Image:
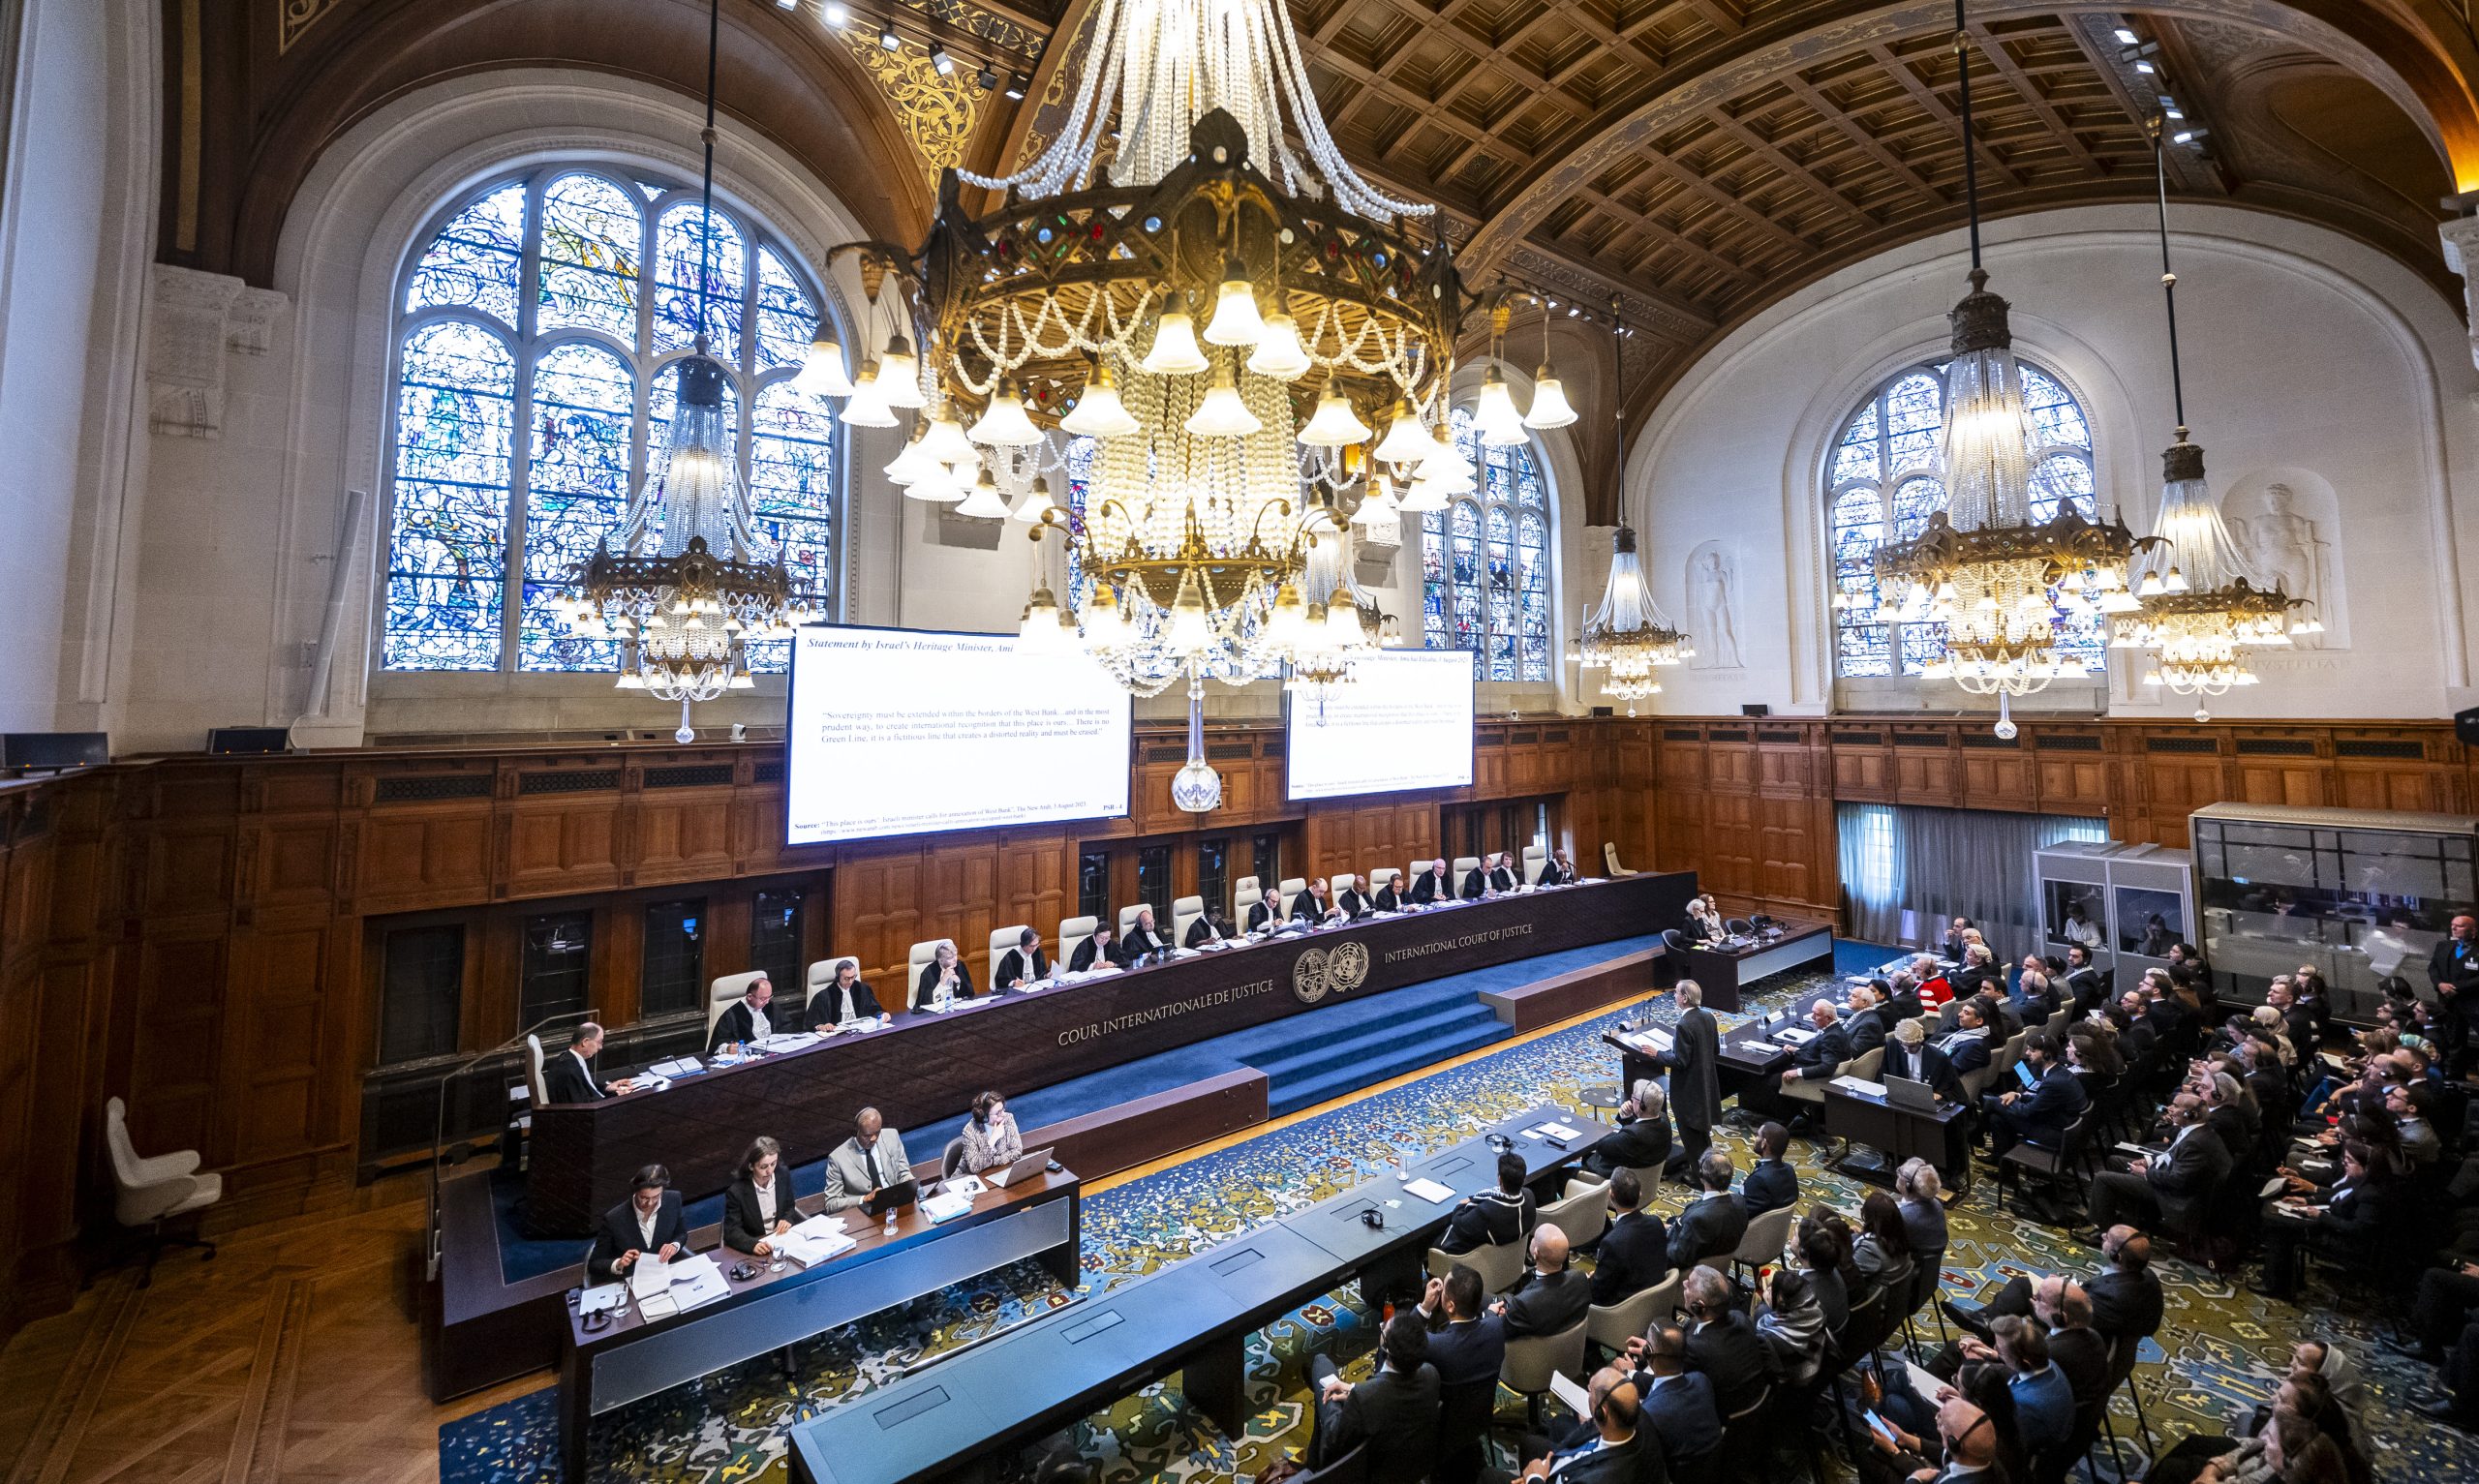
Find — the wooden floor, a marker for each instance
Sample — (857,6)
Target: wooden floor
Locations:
(295,1355)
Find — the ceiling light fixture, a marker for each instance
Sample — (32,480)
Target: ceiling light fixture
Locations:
(1627,637)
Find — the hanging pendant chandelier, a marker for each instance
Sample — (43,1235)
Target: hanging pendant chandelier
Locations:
(2202,607)
(693,583)
(1994,576)
(1338,624)
(1627,639)
(1193,275)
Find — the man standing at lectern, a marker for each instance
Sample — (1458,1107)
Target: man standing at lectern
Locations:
(1694,1063)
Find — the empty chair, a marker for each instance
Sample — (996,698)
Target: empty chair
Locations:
(1766,1236)
(954,1159)
(1583,1213)
(1244,897)
(1184,912)
(535,1084)
(1866,1064)
(1072,933)
(150,1190)
(1247,884)
(1500,1265)
(724,992)
(1291,888)
(1535,859)
(1739,926)
(1612,1326)
(1533,1359)
(1609,858)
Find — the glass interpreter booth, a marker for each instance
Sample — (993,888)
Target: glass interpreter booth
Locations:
(2126,903)
(2360,895)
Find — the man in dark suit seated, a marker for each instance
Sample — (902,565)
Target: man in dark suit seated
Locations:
(2041,1113)
(1902,995)
(1468,1347)
(1772,1183)
(1634,1253)
(569,1078)
(1395,1412)
(1097,949)
(1870,1020)
(649,1224)
(2128,1303)
(1212,925)
(1967,1045)
(1433,884)
(1980,971)
(1723,1345)
(846,998)
(1499,1216)
(1955,942)
(1390,896)
(1552,1297)
(1812,1061)
(1677,1404)
(1714,1223)
(1909,1056)
(746,1020)
(1261,913)
(2082,979)
(1557,872)
(1315,906)
(2170,1191)
(1020,965)
(1642,1137)
(1607,1447)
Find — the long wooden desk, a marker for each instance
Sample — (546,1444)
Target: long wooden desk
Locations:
(1723,972)
(635,1357)
(1191,1316)
(929,1067)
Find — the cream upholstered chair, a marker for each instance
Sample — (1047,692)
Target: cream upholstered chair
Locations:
(1500,1265)
(1002,942)
(1291,888)
(1184,912)
(1072,933)
(1464,865)
(1244,897)
(1378,878)
(1609,858)
(721,995)
(1535,859)
(150,1190)
(1127,919)
(1338,884)
(1583,1213)
(1247,884)
(536,1085)
(1612,1327)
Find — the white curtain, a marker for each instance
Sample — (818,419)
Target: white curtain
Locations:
(1936,865)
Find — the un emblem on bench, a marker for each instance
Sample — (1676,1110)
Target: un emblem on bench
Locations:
(1338,970)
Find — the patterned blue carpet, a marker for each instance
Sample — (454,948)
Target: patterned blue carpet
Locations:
(2221,1351)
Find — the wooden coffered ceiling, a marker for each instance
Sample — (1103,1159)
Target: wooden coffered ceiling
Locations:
(1697,159)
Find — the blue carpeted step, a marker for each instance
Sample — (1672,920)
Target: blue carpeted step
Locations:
(1373,1066)
(1402,1034)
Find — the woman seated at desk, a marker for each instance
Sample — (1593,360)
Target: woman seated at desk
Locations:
(942,978)
(757,1206)
(1096,950)
(990,1137)
(1704,920)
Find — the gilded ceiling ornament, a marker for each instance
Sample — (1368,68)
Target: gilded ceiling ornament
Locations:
(936,114)
(299,16)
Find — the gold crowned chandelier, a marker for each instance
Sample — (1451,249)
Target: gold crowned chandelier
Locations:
(1192,276)
(693,582)
(2202,608)
(1996,577)
(1627,637)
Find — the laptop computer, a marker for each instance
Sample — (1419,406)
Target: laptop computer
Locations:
(903,1193)
(1910,1093)
(1032,1164)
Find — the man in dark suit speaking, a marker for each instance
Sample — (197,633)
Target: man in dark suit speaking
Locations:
(1694,1063)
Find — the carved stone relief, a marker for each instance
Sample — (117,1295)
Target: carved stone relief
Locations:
(1712,618)
(197,319)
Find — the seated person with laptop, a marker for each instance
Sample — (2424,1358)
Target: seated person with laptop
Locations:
(870,1168)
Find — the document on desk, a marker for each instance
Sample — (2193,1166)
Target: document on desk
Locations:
(788,1041)
(680,1067)
(945,1206)
(1565,1130)
(1860,1084)
(1795,1035)
(815,1240)
(1648,1040)
(1430,1191)
(648,1276)
(697,1279)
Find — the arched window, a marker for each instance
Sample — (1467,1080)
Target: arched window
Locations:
(1485,564)
(556,305)
(1886,478)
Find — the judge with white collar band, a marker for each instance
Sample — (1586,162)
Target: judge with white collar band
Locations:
(748,1020)
(1020,965)
(943,976)
(843,998)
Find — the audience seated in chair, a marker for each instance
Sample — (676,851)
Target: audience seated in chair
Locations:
(1634,1253)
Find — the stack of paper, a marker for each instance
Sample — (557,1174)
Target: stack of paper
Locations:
(945,1206)
(697,1279)
(1430,1191)
(680,1067)
(788,1041)
(1860,1084)
(815,1240)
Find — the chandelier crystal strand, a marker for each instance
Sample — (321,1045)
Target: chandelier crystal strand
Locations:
(2202,605)
(693,584)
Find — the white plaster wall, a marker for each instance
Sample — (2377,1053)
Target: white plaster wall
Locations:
(2305,352)
(50,226)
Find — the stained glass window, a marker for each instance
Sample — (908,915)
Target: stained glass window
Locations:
(487,526)
(1884,479)
(1485,564)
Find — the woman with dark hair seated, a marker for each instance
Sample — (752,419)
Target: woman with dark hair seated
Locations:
(1883,1252)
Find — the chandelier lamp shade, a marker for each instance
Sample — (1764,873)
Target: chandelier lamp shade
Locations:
(693,583)
(1628,639)
(1993,575)
(2202,608)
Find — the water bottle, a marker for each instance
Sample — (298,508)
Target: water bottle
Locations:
(890,1229)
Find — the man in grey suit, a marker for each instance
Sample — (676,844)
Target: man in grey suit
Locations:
(871,1161)
(1694,1063)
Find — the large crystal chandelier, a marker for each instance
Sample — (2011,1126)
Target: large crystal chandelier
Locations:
(1627,638)
(2202,607)
(1193,275)
(1339,628)
(1996,577)
(693,583)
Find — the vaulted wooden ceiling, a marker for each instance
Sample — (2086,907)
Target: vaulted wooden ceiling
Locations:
(1697,159)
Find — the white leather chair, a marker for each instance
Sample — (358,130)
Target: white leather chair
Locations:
(1250,885)
(922,954)
(1242,900)
(1184,912)
(1583,1213)
(1535,859)
(1127,919)
(820,979)
(1002,942)
(1339,883)
(1378,878)
(537,1086)
(1609,858)
(150,1190)
(1291,888)
(1072,933)
(721,995)
(1464,865)
(1421,868)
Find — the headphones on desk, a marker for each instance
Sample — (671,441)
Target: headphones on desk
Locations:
(1498,1142)
(597,1322)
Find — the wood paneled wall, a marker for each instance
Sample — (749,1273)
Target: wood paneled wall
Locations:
(192,933)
